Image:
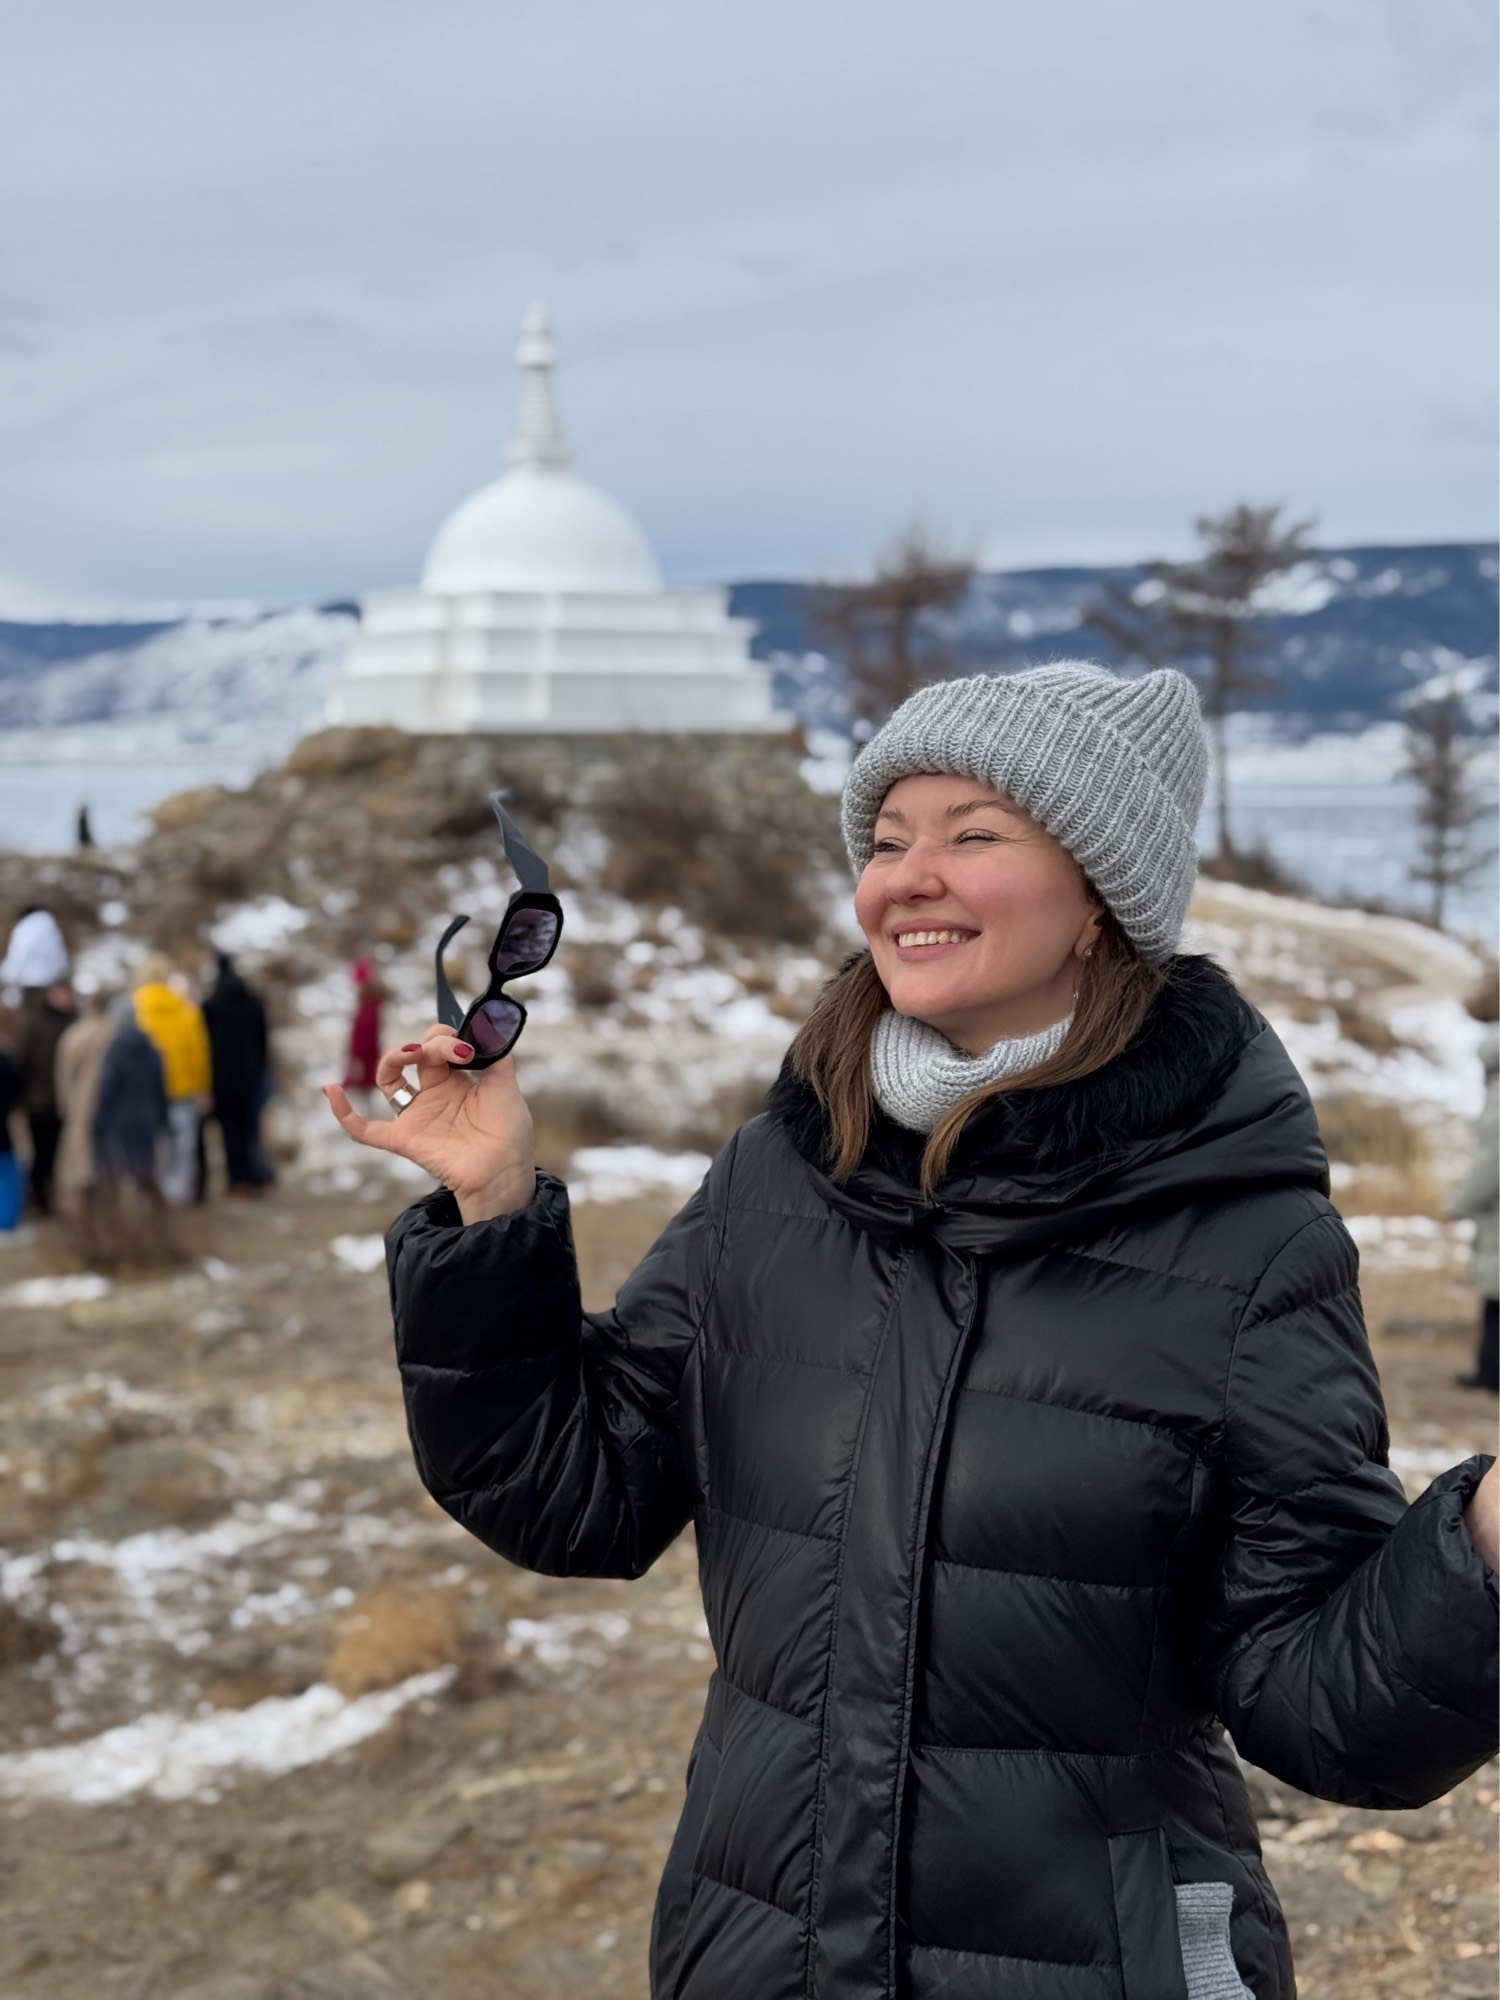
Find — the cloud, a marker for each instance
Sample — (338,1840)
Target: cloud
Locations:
(1060,276)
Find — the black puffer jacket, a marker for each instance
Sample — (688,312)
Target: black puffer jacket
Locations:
(1004,1503)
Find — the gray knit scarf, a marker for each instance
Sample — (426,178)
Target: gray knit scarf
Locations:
(919,1075)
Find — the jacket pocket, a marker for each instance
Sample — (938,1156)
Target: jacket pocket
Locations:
(1151,1966)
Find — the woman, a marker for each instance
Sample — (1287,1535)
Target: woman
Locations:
(1011,1369)
(363,1057)
(80,1062)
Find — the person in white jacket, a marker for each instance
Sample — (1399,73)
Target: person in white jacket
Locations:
(36,956)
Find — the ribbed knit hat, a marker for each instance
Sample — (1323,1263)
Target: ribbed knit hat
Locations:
(1114,768)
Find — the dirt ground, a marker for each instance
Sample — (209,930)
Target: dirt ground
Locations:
(235,1429)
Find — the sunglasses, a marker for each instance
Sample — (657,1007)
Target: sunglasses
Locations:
(525,941)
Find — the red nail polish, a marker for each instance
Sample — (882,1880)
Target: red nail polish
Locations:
(462,1051)
(411,1048)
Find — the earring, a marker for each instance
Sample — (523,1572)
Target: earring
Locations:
(1087,954)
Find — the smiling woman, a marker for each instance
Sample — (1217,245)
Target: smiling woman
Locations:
(978,918)
(1046,977)
(993,964)
(1011,1369)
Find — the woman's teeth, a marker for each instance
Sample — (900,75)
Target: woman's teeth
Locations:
(904,938)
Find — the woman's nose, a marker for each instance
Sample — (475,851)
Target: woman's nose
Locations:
(916,875)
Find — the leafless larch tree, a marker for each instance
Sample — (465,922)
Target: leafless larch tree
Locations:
(875,627)
(1204,615)
(1455,809)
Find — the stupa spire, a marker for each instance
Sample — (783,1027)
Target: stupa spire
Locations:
(539,440)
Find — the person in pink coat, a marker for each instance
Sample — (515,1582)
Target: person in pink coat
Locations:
(364,1030)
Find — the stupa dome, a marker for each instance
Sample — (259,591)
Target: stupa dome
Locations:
(540,528)
(541,611)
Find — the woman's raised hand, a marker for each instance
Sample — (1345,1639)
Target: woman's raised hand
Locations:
(470,1129)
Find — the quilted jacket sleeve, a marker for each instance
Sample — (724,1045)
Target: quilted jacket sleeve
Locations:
(549,1432)
(1354,1636)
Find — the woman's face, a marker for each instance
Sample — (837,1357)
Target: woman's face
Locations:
(976,916)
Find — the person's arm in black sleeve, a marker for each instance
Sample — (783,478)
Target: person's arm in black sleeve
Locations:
(548,1432)
(1353,1637)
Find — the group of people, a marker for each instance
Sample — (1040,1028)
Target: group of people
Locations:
(115,1090)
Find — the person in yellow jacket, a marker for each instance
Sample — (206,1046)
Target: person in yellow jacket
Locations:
(173,1023)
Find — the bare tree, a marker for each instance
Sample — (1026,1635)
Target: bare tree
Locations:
(1203,615)
(875,627)
(1444,760)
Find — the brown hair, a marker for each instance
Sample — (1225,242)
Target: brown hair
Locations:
(1116,987)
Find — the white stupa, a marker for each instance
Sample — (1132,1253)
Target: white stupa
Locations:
(541,608)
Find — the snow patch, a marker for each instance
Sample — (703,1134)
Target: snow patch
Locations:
(75,1289)
(188,1757)
(359,1253)
(618,1173)
(1297,592)
(567,1647)
(261,926)
(1408,1242)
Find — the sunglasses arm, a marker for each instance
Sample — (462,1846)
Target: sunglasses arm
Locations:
(449,1011)
(531,870)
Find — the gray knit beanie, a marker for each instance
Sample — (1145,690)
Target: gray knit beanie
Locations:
(1114,768)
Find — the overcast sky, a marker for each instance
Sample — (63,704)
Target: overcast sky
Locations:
(1058,274)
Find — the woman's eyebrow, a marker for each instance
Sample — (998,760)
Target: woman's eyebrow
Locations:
(967,806)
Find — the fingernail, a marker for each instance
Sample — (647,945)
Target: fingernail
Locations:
(411,1048)
(462,1051)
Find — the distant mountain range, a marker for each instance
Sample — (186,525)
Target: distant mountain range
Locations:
(1352,631)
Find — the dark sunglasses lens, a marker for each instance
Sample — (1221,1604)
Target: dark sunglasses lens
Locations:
(526,942)
(494,1026)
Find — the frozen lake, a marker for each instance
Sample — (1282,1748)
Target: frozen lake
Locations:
(39,802)
(1342,833)
(1350,840)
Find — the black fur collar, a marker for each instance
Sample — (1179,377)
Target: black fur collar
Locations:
(1166,1081)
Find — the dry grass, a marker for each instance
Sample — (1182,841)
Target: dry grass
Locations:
(389,1636)
(1368,1030)
(594,970)
(1371,1132)
(23,1638)
(674,840)
(723,1115)
(1254,867)
(565,1121)
(119,1232)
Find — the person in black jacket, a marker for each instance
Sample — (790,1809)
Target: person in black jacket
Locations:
(45,1017)
(1011,1369)
(239,1045)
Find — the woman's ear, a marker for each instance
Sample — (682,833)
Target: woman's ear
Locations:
(1088,937)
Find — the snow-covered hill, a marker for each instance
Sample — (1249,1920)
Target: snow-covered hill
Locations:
(257,677)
